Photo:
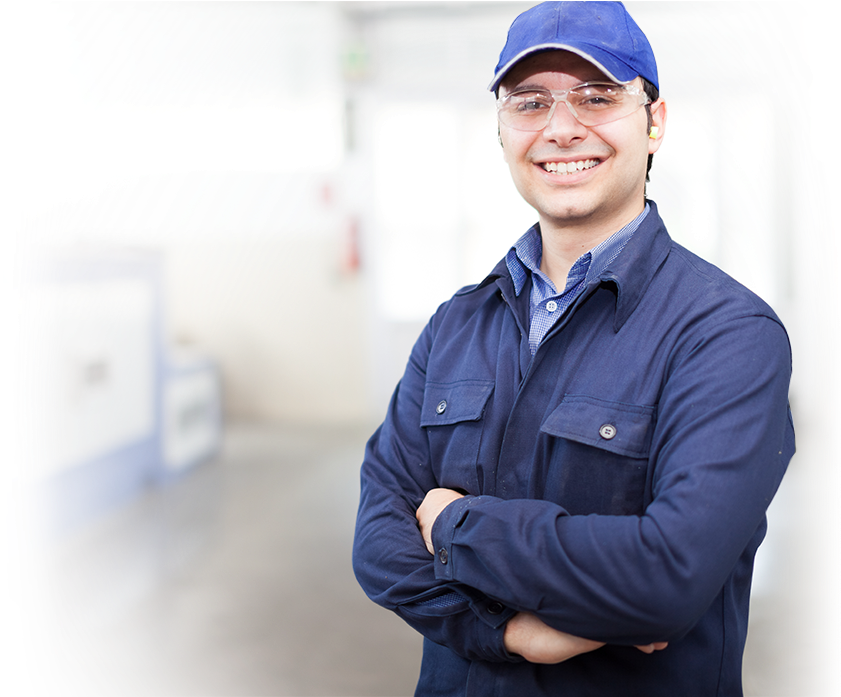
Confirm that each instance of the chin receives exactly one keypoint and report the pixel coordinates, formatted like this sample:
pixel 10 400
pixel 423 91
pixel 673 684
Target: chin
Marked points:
pixel 561 214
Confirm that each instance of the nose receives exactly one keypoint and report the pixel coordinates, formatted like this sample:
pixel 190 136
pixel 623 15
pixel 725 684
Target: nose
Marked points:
pixel 563 127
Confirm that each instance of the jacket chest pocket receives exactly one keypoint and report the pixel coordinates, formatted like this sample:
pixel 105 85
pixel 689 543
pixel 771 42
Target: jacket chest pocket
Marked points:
pixel 452 416
pixel 598 455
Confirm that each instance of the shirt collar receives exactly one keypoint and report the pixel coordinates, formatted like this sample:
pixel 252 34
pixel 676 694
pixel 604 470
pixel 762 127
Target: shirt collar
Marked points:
pixel 525 256
pixel 630 273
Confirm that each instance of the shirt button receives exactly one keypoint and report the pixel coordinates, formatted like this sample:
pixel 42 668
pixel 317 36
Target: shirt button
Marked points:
pixel 442 406
pixel 551 306
pixel 443 556
pixel 607 431
pixel 495 608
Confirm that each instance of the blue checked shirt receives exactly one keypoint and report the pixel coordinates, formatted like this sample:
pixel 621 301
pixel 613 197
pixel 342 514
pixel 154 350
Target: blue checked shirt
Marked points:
pixel 547 304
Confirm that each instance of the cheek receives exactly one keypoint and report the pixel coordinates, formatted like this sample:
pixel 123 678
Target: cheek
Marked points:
pixel 627 138
pixel 506 143
pixel 515 145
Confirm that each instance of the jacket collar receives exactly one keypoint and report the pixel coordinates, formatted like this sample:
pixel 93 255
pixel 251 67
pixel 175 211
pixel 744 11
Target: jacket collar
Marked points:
pixel 631 272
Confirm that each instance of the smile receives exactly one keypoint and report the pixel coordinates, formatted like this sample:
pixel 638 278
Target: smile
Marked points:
pixel 569 167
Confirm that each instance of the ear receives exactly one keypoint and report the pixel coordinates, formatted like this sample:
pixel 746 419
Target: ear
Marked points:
pixel 658 122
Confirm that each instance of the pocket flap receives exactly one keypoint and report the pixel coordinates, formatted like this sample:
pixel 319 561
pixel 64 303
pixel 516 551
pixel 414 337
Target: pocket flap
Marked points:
pixel 624 429
pixel 451 402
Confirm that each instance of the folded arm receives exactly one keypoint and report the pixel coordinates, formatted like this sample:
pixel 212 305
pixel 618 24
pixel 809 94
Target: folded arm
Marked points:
pixel 722 442
pixel 525 635
pixel 392 556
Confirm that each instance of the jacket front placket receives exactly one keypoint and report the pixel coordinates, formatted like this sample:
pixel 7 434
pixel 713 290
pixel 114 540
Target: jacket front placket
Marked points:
pixel 521 417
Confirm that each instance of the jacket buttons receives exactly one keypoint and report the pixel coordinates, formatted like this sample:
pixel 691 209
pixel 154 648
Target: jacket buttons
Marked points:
pixel 442 406
pixel 443 556
pixel 607 431
pixel 495 608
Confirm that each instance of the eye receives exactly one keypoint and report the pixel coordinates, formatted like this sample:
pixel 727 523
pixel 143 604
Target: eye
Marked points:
pixel 530 102
pixel 596 101
pixel 598 96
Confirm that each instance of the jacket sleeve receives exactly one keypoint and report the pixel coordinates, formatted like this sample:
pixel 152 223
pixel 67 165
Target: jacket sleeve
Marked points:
pixel 390 559
pixel 721 444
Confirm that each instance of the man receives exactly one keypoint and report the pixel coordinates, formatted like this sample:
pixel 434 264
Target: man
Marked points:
pixel 570 485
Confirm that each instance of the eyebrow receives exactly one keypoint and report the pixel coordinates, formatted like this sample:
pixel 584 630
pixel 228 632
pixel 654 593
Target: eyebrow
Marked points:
pixel 536 86
pixel 530 86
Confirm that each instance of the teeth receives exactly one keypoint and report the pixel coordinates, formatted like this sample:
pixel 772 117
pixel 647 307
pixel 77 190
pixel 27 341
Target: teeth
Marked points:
pixel 569 167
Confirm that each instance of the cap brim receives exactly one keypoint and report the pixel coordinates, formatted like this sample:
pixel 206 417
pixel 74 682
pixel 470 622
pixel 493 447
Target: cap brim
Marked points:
pixel 613 74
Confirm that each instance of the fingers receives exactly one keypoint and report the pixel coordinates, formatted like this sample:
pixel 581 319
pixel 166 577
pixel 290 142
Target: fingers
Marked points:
pixel 433 503
pixel 651 648
pixel 427 540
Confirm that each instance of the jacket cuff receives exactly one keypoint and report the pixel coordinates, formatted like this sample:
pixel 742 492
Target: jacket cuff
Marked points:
pixel 492 638
pixel 443 532
pixel 493 614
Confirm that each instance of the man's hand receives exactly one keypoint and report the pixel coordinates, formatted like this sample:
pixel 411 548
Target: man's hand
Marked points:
pixel 433 503
pixel 534 640
pixel 537 642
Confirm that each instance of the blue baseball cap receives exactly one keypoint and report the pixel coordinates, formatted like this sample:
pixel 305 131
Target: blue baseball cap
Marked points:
pixel 602 33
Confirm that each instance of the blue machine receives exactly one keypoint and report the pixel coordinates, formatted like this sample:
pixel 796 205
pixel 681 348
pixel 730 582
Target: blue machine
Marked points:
pixel 101 411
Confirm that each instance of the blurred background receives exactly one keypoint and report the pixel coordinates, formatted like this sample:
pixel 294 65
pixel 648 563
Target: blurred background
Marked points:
pixel 223 226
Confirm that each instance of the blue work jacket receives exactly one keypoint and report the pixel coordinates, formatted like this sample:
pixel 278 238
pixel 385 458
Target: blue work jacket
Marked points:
pixel 616 481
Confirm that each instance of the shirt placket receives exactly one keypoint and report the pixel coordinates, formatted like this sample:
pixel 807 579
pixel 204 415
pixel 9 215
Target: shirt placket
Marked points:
pixel 548 305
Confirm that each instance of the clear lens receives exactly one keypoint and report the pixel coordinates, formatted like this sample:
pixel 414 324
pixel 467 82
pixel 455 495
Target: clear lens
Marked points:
pixel 592 104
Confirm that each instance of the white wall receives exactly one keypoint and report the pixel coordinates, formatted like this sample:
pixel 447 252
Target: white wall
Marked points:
pixel 283 318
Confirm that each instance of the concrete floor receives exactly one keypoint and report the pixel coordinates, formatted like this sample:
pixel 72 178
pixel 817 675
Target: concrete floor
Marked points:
pixel 236 579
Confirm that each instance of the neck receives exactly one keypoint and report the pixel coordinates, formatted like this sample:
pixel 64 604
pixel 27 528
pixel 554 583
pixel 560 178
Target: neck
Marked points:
pixel 565 241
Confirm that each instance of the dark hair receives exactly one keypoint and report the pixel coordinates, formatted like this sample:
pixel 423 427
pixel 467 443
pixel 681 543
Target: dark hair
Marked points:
pixel 653 94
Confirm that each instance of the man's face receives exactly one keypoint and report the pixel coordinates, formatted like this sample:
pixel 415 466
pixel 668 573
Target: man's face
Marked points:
pixel 608 192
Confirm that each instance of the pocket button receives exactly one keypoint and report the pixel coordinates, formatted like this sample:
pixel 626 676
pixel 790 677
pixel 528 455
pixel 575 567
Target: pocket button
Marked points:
pixel 607 431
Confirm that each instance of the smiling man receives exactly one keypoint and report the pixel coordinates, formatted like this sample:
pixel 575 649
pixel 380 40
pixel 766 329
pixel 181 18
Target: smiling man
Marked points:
pixel 570 485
